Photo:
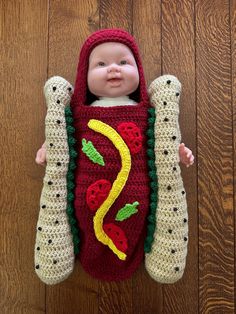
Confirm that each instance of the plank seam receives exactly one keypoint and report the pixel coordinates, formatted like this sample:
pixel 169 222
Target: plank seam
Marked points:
pixel 232 114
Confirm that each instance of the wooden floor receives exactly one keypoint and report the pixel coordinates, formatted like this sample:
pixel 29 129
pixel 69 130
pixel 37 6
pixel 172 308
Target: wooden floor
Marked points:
pixel 194 40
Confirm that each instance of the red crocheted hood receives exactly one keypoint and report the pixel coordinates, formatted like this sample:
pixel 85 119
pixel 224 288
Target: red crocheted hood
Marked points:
pixel 81 93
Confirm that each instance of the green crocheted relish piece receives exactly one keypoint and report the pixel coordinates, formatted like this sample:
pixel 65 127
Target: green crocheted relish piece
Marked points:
pixel 91 152
pixel 70 179
pixel 127 211
pixel 153 182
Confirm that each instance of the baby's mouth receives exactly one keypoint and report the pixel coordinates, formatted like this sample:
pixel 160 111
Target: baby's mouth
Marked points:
pixel 113 80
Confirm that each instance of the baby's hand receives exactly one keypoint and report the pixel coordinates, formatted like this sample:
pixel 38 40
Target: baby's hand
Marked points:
pixel 185 155
pixel 41 155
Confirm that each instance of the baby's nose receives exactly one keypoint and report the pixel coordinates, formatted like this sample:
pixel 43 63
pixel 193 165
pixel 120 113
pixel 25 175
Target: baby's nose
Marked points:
pixel 113 68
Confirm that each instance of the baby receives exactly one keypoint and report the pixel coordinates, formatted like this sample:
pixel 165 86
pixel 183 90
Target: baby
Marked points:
pixel 112 77
pixel 112 195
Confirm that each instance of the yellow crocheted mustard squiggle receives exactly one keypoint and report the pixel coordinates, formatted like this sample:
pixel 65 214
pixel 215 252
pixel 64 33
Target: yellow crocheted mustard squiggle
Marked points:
pixel 117 186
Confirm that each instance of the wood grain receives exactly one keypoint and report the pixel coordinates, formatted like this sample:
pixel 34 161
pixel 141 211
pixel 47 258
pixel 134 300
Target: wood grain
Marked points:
pixel 147 294
pixel 215 158
pixel 147 30
pixel 24 57
pixel 70 23
pixel 178 58
pixel 116 14
pixel 232 4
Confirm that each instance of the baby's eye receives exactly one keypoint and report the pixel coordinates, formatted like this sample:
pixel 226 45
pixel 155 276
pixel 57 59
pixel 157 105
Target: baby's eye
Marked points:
pixel 123 62
pixel 101 63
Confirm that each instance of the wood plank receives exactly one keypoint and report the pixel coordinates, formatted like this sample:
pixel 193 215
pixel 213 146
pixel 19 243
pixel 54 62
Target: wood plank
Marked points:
pixel 115 297
pixel 116 14
pixel 147 294
pixel 23 70
pixel 147 30
pixel 215 158
pixel 71 22
pixel 232 4
pixel 178 58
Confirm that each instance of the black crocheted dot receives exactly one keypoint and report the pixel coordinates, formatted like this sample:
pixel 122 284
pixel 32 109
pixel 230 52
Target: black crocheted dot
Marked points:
pixel 177 94
pixel 174 137
pixel 169 187
pixel 58 121
pixel 183 192
pixel 170 231
pixel 49 241
pixel 168 82
pixel 56 222
pixel 49 182
pixel 166 152
pixel 44 206
pixel 37 266
pixel 176 268
pixel 185 239
pixel 51 144
pixel 185 220
pixel 54 262
pixel 58 101
pixel 69 89
pixel 166 119
pixel 39 228
pixel 175 209
pixel 54 88
pixel 58 163
pixel 172 251
pixel 38 248
pixel 174 168
pixel 58 195
pixel 164 103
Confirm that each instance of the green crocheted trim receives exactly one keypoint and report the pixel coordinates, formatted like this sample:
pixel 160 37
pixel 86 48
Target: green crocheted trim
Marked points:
pixel 153 182
pixel 70 179
pixel 127 211
pixel 91 152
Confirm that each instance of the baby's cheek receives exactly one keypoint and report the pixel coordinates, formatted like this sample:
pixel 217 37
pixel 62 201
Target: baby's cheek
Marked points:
pixel 96 82
pixel 134 79
pixel 92 79
pixel 134 74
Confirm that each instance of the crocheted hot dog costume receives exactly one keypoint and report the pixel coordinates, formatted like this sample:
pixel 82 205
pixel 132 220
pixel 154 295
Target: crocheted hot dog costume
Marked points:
pixel 118 168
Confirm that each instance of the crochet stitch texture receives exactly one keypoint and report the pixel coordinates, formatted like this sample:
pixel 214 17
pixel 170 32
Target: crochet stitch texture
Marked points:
pixel 166 261
pixel 54 249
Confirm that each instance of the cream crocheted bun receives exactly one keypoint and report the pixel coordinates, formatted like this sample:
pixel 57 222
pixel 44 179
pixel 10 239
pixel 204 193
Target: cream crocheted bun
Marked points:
pixel 54 254
pixel 166 261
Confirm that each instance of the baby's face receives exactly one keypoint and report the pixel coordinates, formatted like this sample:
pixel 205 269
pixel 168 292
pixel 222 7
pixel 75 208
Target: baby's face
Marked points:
pixel 112 71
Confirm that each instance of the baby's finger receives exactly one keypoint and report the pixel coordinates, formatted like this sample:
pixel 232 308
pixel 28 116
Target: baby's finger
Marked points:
pixel 189 154
pixel 192 160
